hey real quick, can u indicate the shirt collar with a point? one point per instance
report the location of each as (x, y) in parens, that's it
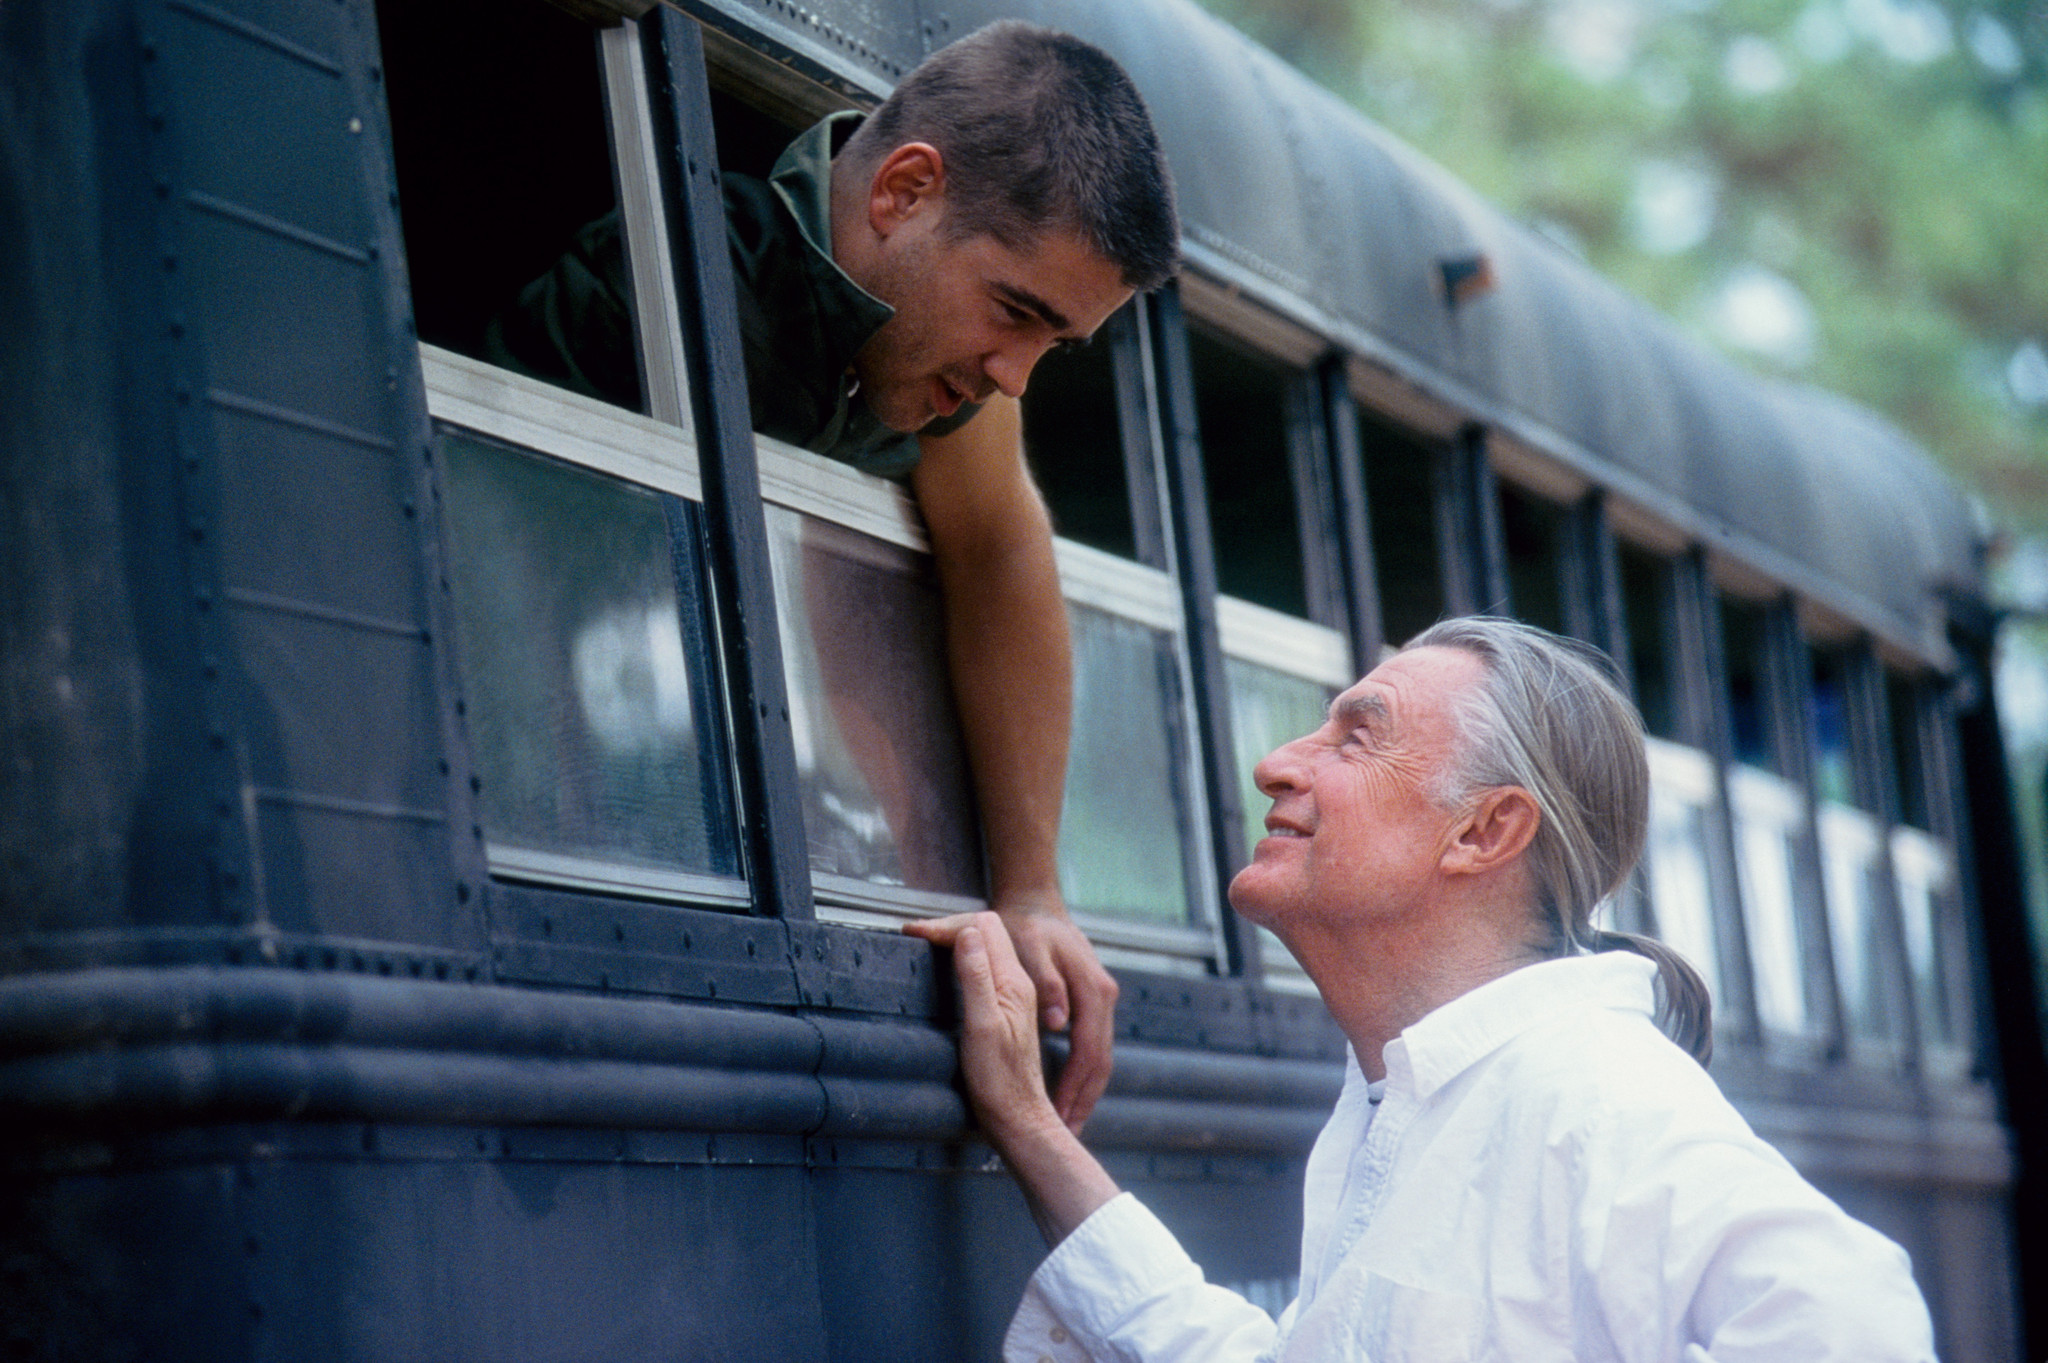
(1448, 1041)
(802, 179)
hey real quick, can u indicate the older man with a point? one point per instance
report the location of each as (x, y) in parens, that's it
(1521, 1165)
(899, 276)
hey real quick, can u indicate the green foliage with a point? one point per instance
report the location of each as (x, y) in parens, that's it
(1888, 159)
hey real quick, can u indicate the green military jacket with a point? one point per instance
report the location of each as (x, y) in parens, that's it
(801, 318)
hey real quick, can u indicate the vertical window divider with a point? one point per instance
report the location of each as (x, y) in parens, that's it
(1702, 692)
(771, 822)
(1360, 576)
(1187, 515)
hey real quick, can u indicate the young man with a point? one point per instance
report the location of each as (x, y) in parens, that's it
(1521, 1165)
(899, 277)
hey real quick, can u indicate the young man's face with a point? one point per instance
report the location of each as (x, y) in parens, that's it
(1353, 829)
(973, 316)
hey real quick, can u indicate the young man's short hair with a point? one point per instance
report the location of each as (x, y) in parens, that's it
(1037, 129)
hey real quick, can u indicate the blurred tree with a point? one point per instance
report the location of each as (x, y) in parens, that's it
(1850, 192)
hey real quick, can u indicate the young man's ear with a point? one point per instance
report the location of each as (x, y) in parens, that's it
(1498, 828)
(910, 181)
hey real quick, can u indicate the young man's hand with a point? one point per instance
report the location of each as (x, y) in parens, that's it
(1075, 995)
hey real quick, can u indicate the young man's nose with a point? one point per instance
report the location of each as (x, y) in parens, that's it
(1009, 367)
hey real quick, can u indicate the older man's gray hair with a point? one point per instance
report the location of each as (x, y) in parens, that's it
(1548, 717)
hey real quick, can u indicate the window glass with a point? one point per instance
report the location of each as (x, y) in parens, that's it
(1909, 766)
(1121, 839)
(1400, 491)
(1072, 437)
(1681, 900)
(1267, 709)
(586, 669)
(1926, 874)
(1770, 819)
(1743, 640)
(1863, 972)
(1241, 407)
(1534, 531)
(886, 794)
(502, 157)
(1828, 709)
(1646, 598)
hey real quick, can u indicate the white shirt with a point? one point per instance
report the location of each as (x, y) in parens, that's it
(1547, 1177)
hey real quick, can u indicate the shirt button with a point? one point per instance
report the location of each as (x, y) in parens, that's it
(1059, 1336)
(1045, 1358)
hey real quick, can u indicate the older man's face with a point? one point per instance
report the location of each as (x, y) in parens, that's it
(1353, 830)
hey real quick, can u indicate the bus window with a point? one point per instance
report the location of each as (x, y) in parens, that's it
(499, 131)
(1534, 530)
(1924, 874)
(1909, 763)
(1072, 437)
(1401, 499)
(1852, 856)
(1646, 600)
(1122, 854)
(886, 794)
(585, 656)
(1749, 702)
(1771, 825)
(1241, 401)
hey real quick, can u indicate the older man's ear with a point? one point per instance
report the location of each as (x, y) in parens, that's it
(1496, 828)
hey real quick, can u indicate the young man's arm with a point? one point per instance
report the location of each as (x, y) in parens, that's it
(1012, 669)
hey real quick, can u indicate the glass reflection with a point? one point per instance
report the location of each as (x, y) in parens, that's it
(886, 792)
(583, 666)
(1267, 709)
(1770, 816)
(1924, 872)
(1849, 864)
(1121, 850)
(1681, 785)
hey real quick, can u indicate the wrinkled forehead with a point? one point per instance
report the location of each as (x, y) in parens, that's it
(1415, 690)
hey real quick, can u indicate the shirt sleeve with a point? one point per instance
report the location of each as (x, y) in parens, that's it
(1120, 1289)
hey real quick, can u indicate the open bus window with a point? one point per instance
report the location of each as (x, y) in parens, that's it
(1401, 499)
(1072, 437)
(585, 657)
(1647, 604)
(1241, 402)
(1534, 531)
(499, 131)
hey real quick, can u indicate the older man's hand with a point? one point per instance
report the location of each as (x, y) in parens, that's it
(999, 1051)
(1005, 1075)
